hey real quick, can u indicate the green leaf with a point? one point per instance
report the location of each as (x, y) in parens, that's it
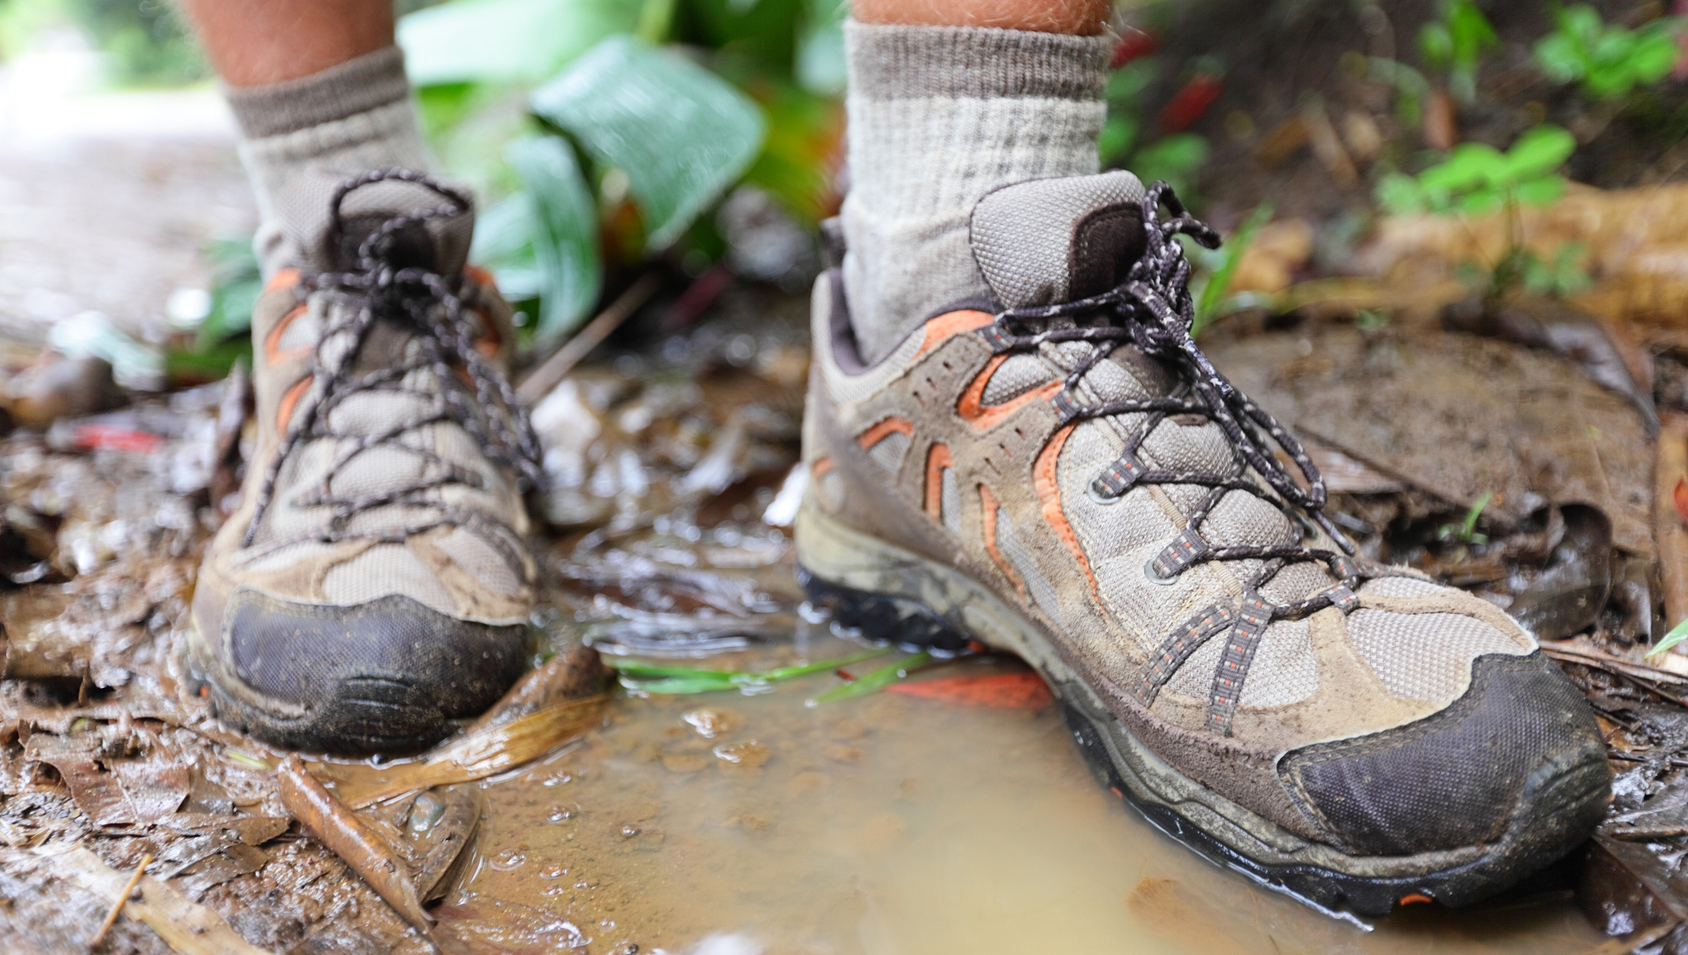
(1177, 159)
(1538, 151)
(1468, 166)
(1479, 201)
(1213, 287)
(682, 134)
(566, 240)
(1543, 191)
(1579, 22)
(482, 41)
(1118, 133)
(1676, 635)
(504, 244)
(1435, 45)
(876, 680)
(1559, 57)
(677, 680)
(820, 48)
(1400, 193)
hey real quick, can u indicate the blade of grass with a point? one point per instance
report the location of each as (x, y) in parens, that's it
(1676, 635)
(672, 680)
(875, 680)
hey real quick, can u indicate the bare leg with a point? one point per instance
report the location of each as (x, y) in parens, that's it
(1077, 17)
(259, 42)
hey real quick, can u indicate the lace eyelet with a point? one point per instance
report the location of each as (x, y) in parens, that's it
(1100, 497)
(1149, 572)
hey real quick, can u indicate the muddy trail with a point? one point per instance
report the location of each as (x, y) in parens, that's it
(800, 807)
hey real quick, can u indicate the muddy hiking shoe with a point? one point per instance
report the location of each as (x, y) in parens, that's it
(375, 582)
(1062, 474)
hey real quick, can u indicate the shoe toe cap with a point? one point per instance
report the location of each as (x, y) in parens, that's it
(1516, 759)
(389, 669)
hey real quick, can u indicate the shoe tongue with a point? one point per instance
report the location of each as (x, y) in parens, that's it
(440, 243)
(1047, 241)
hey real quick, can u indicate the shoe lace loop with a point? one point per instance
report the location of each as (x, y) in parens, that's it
(1154, 311)
(474, 393)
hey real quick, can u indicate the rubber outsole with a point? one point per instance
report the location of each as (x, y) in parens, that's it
(891, 594)
(346, 726)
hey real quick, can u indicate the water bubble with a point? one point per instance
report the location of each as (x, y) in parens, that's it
(555, 870)
(561, 813)
(509, 859)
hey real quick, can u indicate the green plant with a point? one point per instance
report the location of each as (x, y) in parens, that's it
(875, 680)
(1216, 268)
(1476, 178)
(1608, 60)
(1465, 532)
(1676, 635)
(1456, 43)
(1177, 158)
(1566, 275)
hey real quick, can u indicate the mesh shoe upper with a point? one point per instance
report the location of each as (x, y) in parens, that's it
(1068, 446)
(390, 449)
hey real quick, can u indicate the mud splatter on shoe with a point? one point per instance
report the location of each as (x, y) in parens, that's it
(375, 582)
(1061, 473)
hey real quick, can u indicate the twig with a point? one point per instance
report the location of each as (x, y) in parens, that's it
(117, 906)
(541, 380)
(1671, 466)
(187, 927)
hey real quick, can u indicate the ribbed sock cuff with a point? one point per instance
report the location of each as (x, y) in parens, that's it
(356, 86)
(910, 62)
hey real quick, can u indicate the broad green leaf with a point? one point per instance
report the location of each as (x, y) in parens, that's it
(504, 243)
(482, 41)
(1580, 22)
(1655, 56)
(566, 240)
(1231, 256)
(1538, 151)
(682, 134)
(1468, 166)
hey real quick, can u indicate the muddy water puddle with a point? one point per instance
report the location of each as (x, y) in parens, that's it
(725, 823)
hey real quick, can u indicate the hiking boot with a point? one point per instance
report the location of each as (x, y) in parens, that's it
(374, 583)
(1061, 473)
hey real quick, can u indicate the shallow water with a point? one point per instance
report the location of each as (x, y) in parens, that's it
(885, 824)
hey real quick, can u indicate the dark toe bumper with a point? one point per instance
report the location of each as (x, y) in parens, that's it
(1519, 749)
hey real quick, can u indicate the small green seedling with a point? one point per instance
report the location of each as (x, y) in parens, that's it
(1565, 276)
(1456, 43)
(1609, 60)
(1676, 635)
(1478, 178)
(1465, 532)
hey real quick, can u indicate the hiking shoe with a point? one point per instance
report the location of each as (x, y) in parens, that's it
(1062, 474)
(375, 581)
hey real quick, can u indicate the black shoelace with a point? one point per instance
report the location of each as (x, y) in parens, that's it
(472, 391)
(1153, 310)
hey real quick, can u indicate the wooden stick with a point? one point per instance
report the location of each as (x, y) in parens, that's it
(117, 906)
(541, 380)
(1669, 531)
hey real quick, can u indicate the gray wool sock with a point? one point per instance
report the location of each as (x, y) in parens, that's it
(349, 119)
(939, 116)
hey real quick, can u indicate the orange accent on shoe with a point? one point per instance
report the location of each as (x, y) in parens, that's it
(936, 461)
(988, 501)
(821, 468)
(282, 279)
(284, 414)
(480, 276)
(1049, 492)
(972, 408)
(1416, 899)
(951, 324)
(878, 432)
(273, 352)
